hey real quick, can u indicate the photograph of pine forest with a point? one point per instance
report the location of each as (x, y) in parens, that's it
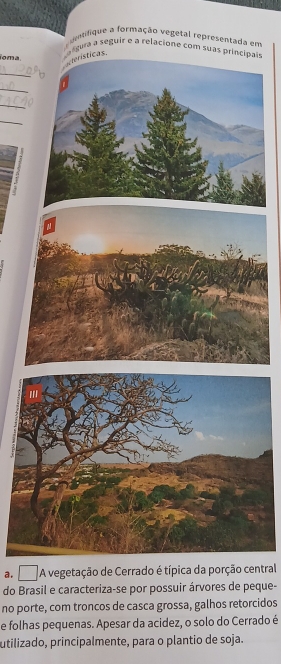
(150, 283)
(138, 463)
(158, 130)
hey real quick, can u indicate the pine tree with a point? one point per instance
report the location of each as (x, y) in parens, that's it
(102, 169)
(58, 182)
(253, 191)
(171, 165)
(223, 191)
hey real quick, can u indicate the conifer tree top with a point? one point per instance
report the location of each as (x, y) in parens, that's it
(170, 165)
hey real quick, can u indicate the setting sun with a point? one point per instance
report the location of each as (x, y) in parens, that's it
(89, 244)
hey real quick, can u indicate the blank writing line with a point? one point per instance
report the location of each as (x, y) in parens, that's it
(22, 75)
(10, 106)
(9, 122)
(12, 91)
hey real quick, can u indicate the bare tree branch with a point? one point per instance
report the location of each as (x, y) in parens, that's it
(122, 414)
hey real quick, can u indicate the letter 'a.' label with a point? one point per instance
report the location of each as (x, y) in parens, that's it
(33, 393)
(49, 226)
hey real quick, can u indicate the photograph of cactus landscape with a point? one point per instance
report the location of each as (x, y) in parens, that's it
(147, 283)
(139, 463)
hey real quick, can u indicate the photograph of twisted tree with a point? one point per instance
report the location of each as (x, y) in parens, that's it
(137, 463)
(158, 130)
(150, 283)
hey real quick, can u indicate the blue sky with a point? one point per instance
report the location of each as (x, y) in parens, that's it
(105, 229)
(226, 97)
(229, 416)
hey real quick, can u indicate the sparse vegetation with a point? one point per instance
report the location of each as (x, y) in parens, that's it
(172, 303)
(209, 502)
(120, 514)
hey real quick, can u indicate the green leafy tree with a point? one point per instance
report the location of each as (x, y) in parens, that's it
(170, 165)
(57, 266)
(136, 501)
(102, 169)
(174, 254)
(253, 191)
(223, 191)
(55, 260)
(162, 492)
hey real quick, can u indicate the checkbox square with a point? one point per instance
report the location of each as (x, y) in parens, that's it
(28, 573)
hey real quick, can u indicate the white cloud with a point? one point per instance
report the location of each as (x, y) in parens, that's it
(199, 435)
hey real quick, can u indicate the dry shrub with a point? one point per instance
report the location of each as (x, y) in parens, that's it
(121, 333)
(92, 329)
(219, 353)
(82, 537)
(123, 534)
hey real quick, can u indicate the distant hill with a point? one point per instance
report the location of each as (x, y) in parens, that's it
(216, 466)
(241, 148)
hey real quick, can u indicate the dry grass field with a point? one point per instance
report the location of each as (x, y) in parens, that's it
(72, 319)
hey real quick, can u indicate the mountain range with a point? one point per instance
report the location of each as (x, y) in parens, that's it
(240, 147)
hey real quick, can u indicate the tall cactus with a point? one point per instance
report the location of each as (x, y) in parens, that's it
(165, 296)
(234, 273)
(252, 271)
(136, 283)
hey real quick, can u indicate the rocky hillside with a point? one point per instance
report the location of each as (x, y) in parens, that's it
(233, 469)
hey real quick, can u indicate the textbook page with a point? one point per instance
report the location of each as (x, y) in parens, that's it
(140, 463)
(29, 65)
